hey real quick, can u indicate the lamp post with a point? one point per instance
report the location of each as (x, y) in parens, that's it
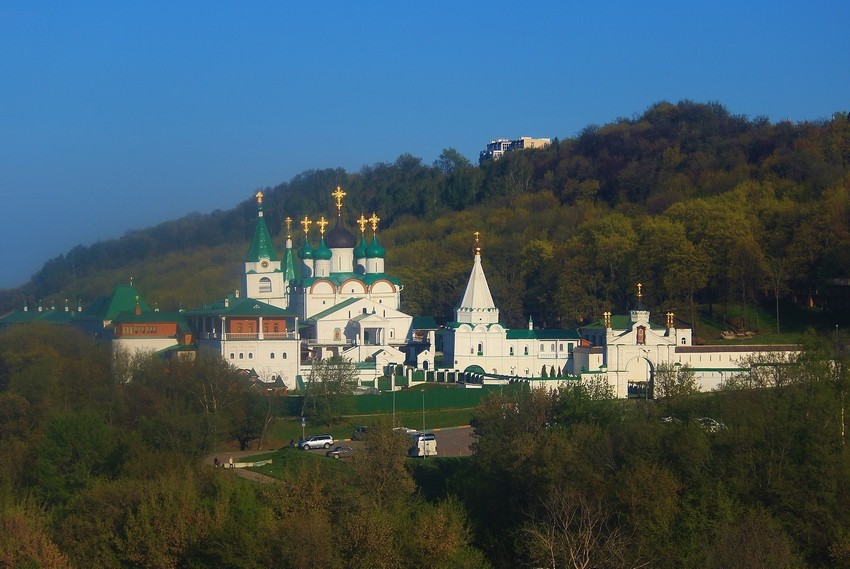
(423, 409)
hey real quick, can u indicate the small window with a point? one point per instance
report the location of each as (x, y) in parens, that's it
(683, 341)
(283, 355)
(241, 356)
(265, 285)
(232, 356)
(542, 348)
(525, 352)
(271, 355)
(512, 350)
(250, 355)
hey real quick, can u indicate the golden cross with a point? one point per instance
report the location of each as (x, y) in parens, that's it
(362, 223)
(477, 233)
(259, 197)
(338, 194)
(306, 224)
(640, 294)
(288, 222)
(322, 223)
(374, 221)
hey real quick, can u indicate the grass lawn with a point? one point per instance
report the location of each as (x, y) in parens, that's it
(287, 461)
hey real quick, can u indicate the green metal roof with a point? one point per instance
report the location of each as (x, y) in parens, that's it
(50, 315)
(374, 250)
(122, 299)
(261, 245)
(243, 307)
(424, 323)
(322, 252)
(333, 309)
(290, 272)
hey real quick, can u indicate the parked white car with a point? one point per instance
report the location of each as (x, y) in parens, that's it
(318, 441)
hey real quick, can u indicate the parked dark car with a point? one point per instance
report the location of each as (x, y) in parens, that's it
(360, 433)
(340, 452)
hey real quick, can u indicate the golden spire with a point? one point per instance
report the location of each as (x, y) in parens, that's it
(374, 221)
(477, 248)
(362, 223)
(259, 197)
(288, 222)
(305, 223)
(322, 223)
(640, 293)
(338, 194)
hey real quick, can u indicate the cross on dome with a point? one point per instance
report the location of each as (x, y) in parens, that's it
(362, 223)
(477, 248)
(259, 197)
(640, 294)
(288, 222)
(338, 194)
(374, 221)
(305, 223)
(322, 223)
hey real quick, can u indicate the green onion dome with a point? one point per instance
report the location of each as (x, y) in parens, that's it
(322, 252)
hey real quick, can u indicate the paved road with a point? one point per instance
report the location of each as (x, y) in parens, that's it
(451, 441)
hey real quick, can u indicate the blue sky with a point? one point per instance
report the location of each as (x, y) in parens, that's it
(117, 116)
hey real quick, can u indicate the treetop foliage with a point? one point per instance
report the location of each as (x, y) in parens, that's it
(703, 206)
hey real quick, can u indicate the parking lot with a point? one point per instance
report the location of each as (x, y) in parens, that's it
(453, 441)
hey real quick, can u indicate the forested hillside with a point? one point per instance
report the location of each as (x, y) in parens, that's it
(709, 210)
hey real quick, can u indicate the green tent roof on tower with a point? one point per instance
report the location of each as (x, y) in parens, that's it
(290, 273)
(261, 245)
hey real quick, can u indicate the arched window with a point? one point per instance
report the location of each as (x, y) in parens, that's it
(512, 350)
(283, 355)
(525, 353)
(364, 310)
(241, 356)
(271, 355)
(250, 355)
(232, 356)
(542, 348)
(265, 284)
(683, 341)
(480, 349)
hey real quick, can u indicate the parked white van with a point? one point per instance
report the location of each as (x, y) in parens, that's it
(424, 444)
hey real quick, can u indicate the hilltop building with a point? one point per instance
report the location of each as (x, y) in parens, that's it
(497, 148)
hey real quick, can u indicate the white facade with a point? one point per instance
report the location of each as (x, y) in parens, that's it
(476, 342)
(622, 350)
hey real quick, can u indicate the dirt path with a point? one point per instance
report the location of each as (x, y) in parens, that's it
(225, 457)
